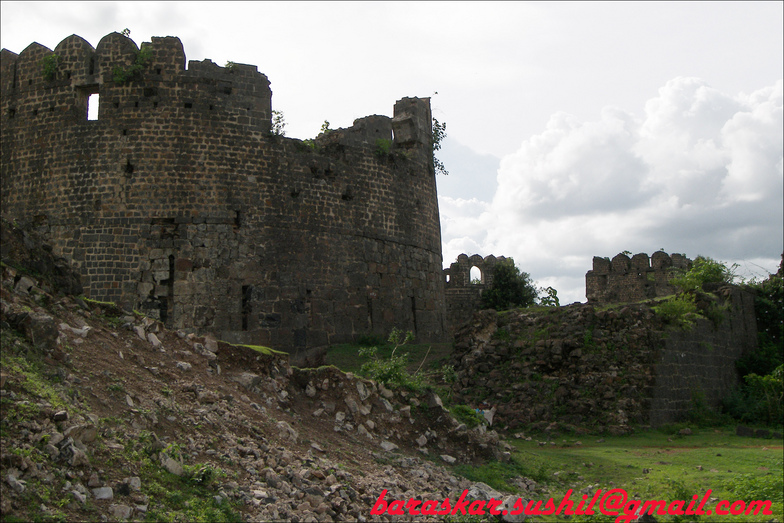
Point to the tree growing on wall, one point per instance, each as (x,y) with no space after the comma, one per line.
(439,133)
(510,288)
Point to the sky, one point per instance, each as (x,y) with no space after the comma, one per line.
(574,130)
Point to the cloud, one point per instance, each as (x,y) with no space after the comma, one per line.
(699,172)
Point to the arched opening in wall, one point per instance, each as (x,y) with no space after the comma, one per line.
(92,106)
(476,275)
(448,277)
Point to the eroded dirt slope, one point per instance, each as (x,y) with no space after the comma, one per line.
(108,415)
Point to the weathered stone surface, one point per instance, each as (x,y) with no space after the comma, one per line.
(121,512)
(610,368)
(103,493)
(388,446)
(41,330)
(188,254)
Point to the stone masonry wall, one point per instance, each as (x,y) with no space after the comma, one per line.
(604,369)
(180,202)
(633,279)
(463,297)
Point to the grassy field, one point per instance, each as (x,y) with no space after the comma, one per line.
(648,465)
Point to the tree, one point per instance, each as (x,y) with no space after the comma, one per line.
(510,288)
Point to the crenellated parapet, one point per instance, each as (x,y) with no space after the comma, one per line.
(624,279)
(45,87)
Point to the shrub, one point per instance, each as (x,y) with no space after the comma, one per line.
(705,270)
(510,288)
(121,75)
(278,123)
(680,310)
(391,371)
(383,147)
(49,65)
(550,298)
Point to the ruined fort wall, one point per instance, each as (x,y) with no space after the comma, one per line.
(180,202)
(464,297)
(624,279)
(608,369)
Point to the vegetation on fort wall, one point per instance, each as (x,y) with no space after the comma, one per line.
(49,66)
(122,75)
(760,397)
(439,133)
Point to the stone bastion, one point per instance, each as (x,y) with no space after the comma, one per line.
(180,201)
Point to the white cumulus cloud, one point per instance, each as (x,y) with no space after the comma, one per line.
(698,172)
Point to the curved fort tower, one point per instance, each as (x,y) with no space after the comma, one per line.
(180,202)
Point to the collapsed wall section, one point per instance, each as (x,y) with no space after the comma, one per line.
(180,202)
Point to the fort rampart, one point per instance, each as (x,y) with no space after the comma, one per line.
(180,201)
(633,279)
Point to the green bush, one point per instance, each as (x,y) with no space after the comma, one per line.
(121,75)
(680,310)
(49,65)
(383,147)
(705,270)
(391,371)
(510,288)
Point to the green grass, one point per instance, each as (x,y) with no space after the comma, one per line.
(346,356)
(650,466)
(259,348)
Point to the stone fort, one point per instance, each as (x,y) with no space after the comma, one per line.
(180,201)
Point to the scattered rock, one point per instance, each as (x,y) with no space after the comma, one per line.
(103,493)
(17,485)
(154,341)
(388,446)
(41,330)
(171,465)
(121,512)
(287,432)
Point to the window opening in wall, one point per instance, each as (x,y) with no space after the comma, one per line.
(92,106)
(247,290)
(11,112)
(448,278)
(475,275)
(188,105)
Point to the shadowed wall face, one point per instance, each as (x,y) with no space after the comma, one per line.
(180,202)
